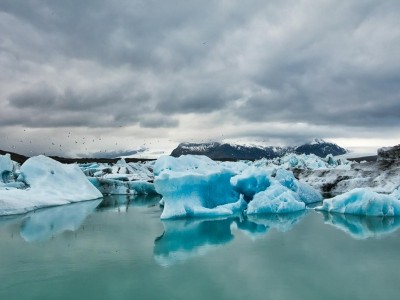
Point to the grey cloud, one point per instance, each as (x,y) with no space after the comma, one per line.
(45,107)
(156,121)
(321,63)
(40,96)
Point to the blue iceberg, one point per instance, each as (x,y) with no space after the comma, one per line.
(195,186)
(306,193)
(363,201)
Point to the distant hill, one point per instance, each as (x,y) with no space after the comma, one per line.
(15,156)
(225,151)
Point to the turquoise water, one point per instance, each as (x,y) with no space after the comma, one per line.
(119,249)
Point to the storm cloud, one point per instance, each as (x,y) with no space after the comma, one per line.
(179,70)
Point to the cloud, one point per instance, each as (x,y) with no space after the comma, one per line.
(151,64)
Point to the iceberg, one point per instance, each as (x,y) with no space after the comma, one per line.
(121,178)
(251,181)
(6,167)
(363,201)
(49,183)
(276,199)
(119,187)
(306,162)
(195,186)
(306,193)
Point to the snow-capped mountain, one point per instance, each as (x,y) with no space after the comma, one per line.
(223,151)
(320,148)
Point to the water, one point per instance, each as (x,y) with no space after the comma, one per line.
(122,250)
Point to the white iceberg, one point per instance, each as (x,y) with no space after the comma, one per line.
(276,199)
(121,178)
(6,166)
(49,183)
(306,193)
(119,187)
(363,201)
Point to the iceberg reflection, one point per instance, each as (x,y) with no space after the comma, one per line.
(280,222)
(183,239)
(121,203)
(46,223)
(362,227)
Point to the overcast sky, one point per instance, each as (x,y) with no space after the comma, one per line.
(88,76)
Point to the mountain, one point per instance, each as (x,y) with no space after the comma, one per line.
(15,156)
(320,148)
(227,151)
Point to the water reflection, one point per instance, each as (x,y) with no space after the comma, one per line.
(362,227)
(121,203)
(280,222)
(47,223)
(184,239)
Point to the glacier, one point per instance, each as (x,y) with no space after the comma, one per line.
(46,182)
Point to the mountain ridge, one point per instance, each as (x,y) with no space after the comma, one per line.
(222,151)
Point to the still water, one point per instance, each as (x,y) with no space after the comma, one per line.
(119,249)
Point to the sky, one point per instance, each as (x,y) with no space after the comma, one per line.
(83,77)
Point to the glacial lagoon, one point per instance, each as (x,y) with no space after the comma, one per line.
(118,248)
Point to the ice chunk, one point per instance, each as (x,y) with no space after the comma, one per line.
(306,193)
(195,186)
(306,161)
(47,223)
(363,227)
(6,167)
(275,199)
(251,181)
(117,187)
(50,183)
(363,201)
